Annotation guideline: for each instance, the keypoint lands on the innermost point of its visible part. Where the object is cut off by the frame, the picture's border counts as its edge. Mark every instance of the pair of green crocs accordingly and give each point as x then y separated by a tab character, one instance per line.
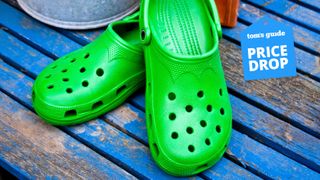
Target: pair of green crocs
175	43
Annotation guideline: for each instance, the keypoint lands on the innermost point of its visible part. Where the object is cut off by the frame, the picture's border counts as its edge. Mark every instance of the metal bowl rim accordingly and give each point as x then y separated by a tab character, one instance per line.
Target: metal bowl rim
77	25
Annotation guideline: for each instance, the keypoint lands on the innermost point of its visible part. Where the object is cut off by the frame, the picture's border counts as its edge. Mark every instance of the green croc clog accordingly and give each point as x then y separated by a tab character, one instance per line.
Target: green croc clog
92	80
188	111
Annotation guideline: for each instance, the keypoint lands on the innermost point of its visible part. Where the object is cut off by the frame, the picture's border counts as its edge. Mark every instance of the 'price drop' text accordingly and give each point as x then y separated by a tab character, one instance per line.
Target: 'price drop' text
267	58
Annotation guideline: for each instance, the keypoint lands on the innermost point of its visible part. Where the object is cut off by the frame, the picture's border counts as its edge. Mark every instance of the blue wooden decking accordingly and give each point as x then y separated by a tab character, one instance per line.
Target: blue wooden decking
276	123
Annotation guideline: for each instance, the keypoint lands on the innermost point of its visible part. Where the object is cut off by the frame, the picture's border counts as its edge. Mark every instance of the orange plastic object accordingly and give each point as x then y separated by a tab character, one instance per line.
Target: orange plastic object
228	12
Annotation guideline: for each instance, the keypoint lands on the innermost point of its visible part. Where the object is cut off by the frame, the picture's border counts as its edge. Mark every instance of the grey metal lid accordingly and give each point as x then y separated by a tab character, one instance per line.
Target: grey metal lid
79	14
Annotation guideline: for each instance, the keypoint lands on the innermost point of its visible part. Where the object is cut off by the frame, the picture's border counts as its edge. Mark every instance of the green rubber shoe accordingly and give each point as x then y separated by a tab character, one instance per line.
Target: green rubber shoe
92	80
188	110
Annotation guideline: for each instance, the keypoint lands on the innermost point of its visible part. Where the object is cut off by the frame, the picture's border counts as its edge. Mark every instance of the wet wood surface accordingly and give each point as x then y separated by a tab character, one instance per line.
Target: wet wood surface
34	149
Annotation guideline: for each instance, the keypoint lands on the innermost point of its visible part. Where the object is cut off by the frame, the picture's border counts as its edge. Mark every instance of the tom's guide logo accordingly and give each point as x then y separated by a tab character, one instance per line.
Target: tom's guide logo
268	50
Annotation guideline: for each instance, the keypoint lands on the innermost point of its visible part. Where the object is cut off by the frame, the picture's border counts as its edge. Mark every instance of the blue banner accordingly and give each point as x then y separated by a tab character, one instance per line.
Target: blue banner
268	50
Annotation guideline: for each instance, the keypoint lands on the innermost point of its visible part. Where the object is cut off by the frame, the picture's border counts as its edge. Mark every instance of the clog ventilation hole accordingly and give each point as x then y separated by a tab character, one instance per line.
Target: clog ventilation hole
84	83
202	123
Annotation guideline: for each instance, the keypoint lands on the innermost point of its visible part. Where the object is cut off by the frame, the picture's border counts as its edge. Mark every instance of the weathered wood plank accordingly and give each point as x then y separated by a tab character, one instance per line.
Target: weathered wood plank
308	118
37	150
298	14
144	131
269	130
97	134
121	115
36	55
24	57
307	62
36	33
296	99
121	148
15	45
13	76
218	173
132	120
247	12
277	134
304	38
261	165
82	37
311	4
